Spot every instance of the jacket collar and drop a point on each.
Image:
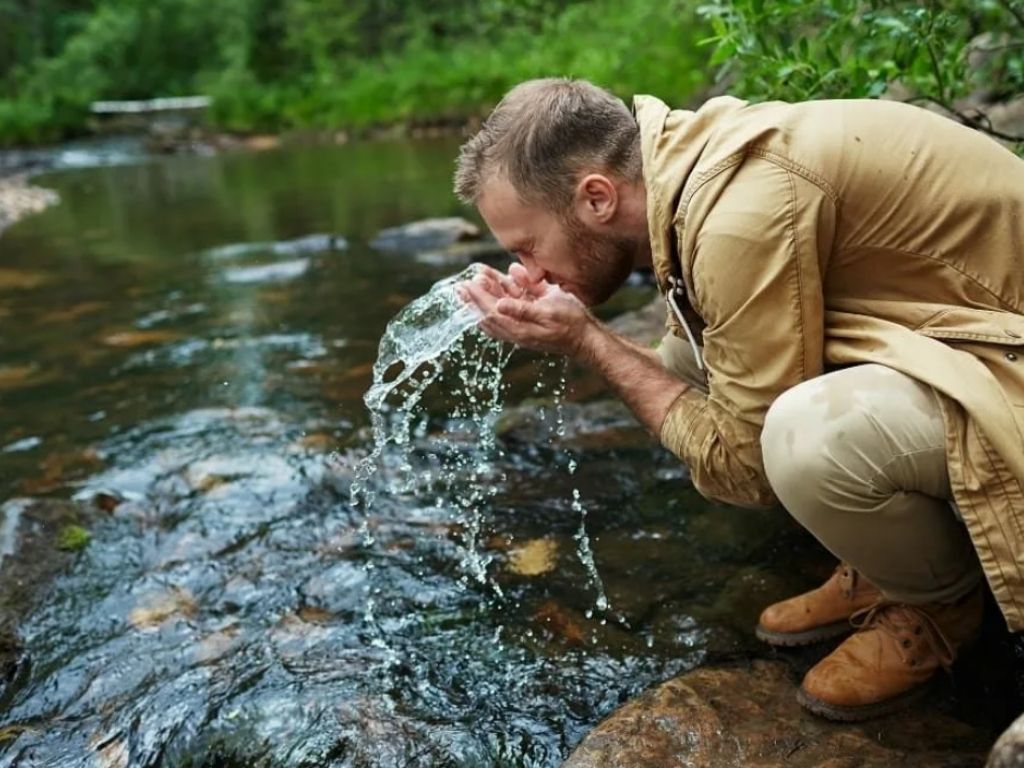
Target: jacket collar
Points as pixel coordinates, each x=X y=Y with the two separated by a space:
x=671 y=145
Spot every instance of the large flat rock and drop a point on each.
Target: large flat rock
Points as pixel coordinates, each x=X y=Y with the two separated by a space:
x=725 y=717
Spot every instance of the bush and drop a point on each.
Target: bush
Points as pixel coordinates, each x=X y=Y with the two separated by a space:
x=937 y=52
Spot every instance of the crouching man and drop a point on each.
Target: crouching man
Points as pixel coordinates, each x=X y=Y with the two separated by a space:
x=844 y=285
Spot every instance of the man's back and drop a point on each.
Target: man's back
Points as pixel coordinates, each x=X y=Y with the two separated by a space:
x=912 y=186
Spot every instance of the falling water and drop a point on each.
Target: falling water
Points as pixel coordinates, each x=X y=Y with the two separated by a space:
x=583 y=549
x=434 y=334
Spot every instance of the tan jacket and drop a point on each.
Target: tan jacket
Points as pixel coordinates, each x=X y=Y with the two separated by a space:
x=809 y=236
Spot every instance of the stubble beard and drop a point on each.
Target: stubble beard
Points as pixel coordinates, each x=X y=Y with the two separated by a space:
x=605 y=263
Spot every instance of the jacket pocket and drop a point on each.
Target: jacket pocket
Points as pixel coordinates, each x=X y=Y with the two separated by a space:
x=984 y=325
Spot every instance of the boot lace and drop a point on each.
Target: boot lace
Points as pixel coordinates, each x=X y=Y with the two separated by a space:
x=911 y=627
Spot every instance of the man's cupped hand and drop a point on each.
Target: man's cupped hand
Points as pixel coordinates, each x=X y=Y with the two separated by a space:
x=534 y=314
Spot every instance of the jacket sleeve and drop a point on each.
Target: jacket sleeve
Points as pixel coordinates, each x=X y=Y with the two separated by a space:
x=756 y=276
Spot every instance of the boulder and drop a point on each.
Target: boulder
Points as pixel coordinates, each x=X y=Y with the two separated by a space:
x=720 y=717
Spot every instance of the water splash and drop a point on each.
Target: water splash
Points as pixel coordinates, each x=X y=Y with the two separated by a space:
x=435 y=336
x=583 y=549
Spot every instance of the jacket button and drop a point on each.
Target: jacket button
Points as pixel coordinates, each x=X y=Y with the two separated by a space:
x=1011 y=357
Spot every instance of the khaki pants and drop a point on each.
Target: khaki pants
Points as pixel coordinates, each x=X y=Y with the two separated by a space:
x=858 y=457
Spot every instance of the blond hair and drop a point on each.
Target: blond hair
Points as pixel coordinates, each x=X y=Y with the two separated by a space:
x=543 y=134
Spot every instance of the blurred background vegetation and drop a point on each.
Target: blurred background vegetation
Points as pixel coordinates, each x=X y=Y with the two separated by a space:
x=273 y=65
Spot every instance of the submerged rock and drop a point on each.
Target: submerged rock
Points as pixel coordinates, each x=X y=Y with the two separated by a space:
x=719 y=717
x=265 y=273
x=299 y=246
x=426 y=235
x=600 y=425
x=459 y=254
x=19 y=199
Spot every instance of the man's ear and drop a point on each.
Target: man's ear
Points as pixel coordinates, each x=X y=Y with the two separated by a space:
x=597 y=199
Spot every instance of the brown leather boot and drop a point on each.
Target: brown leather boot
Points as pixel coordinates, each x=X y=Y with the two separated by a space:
x=890 y=660
x=819 y=614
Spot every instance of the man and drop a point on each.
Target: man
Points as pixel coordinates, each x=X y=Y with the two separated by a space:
x=845 y=293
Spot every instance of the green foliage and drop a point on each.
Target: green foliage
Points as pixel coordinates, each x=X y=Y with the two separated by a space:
x=73 y=538
x=640 y=45
x=938 y=51
x=322 y=64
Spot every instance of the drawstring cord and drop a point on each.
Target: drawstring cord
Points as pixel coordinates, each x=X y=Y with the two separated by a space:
x=675 y=289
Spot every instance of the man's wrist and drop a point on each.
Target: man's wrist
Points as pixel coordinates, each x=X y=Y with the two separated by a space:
x=590 y=341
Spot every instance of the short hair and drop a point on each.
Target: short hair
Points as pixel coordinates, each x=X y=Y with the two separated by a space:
x=543 y=134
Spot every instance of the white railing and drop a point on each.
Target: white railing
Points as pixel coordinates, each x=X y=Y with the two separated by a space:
x=176 y=104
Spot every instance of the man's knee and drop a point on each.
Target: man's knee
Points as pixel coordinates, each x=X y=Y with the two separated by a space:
x=797 y=448
x=847 y=440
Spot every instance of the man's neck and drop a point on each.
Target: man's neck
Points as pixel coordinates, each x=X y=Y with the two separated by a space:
x=633 y=202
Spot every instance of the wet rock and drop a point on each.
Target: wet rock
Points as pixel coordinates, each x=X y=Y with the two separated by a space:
x=29 y=559
x=721 y=717
x=107 y=501
x=426 y=235
x=12 y=376
x=309 y=244
x=132 y=339
x=10 y=649
x=154 y=610
x=61 y=467
x=110 y=752
x=216 y=645
x=19 y=199
x=268 y=273
x=601 y=425
x=316 y=442
x=458 y=254
x=533 y=558
x=556 y=619
x=20 y=279
x=299 y=246
x=74 y=312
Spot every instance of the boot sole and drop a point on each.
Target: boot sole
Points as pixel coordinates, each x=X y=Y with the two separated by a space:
x=866 y=711
x=807 y=637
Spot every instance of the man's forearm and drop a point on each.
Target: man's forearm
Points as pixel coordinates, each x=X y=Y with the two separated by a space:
x=635 y=373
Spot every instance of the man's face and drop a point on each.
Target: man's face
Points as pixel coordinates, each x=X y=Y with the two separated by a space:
x=589 y=265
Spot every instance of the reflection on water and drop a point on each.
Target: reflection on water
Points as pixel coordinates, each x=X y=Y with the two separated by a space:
x=155 y=347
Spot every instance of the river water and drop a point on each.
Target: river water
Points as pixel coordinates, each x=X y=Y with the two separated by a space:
x=219 y=615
